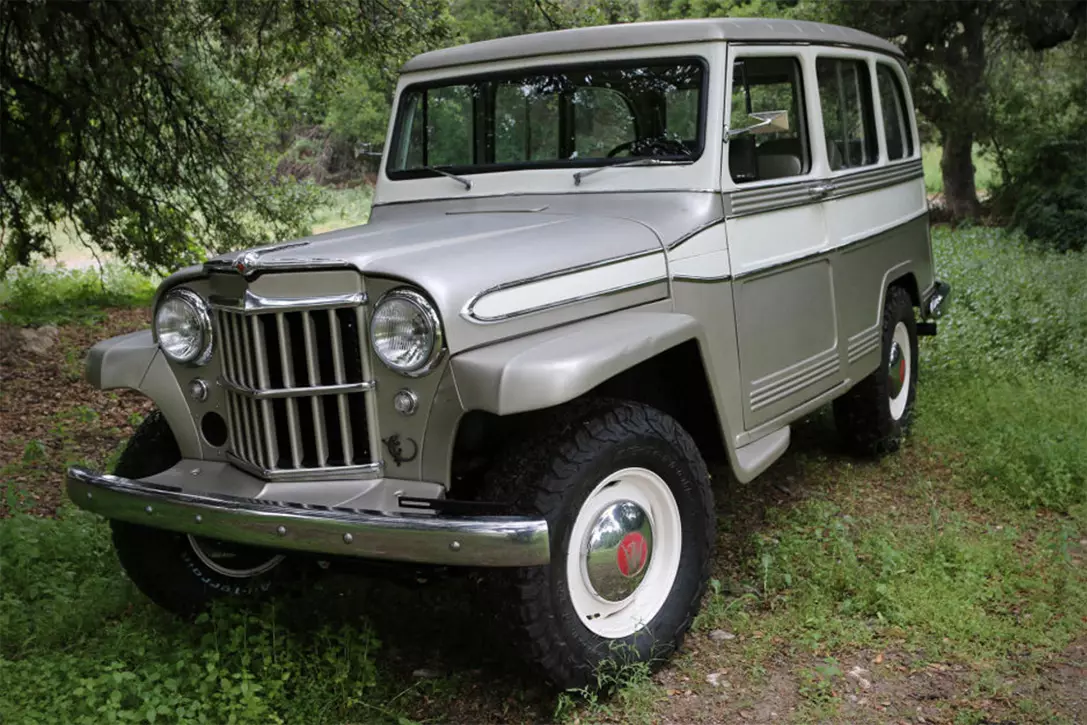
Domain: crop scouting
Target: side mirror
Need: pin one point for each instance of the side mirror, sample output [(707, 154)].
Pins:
[(765, 122)]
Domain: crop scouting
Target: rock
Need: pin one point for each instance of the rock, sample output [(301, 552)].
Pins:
[(714, 678), (426, 674), (858, 674), (36, 341), (720, 635)]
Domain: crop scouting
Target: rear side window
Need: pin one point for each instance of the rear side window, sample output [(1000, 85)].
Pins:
[(896, 120), (845, 95)]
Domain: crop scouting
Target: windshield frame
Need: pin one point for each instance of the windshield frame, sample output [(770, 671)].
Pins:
[(406, 94)]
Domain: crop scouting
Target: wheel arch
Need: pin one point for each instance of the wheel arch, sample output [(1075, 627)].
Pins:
[(653, 358)]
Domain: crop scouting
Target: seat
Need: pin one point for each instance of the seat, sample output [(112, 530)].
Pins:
[(780, 158)]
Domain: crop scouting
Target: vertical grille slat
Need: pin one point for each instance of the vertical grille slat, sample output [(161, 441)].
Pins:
[(288, 381), (271, 449), (341, 400), (320, 434), (298, 432)]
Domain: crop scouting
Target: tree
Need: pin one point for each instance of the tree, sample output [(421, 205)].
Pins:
[(146, 126), (947, 46)]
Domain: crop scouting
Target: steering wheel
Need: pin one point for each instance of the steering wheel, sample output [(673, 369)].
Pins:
[(658, 146)]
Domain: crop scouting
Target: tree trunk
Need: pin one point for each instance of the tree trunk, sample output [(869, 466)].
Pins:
[(957, 168)]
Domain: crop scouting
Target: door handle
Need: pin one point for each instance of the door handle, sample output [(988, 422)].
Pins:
[(822, 190)]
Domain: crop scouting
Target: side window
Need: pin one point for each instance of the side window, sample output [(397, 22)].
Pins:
[(759, 86), (896, 119), (845, 95)]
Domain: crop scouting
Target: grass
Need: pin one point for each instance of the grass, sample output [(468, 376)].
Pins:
[(344, 208), (986, 174), (37, 295), (962, 557)]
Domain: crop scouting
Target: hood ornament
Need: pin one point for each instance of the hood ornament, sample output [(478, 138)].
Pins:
[(248, 263)]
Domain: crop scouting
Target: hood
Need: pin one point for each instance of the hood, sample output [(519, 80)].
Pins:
[(456, 256)]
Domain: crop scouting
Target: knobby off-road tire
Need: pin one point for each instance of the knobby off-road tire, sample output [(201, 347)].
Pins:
[(590, 469), (875, 415), (184, 574)]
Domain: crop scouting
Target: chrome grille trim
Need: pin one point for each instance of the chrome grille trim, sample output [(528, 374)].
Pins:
[(254, 304), (303, 392), (299, 390)]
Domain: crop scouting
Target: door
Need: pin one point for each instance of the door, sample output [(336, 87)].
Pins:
[(783, 286)]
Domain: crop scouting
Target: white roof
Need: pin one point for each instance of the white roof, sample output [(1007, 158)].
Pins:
[(632, 35)]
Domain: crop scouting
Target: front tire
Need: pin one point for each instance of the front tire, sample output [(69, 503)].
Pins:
[(875, 415), (184, 574), (627, 498)]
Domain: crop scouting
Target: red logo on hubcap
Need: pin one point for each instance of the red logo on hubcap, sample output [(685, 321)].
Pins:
[(902, 370), (632, 554)]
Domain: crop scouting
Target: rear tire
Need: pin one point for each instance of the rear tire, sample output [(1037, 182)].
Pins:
[(184, 574), (628, 483), (875, 415)]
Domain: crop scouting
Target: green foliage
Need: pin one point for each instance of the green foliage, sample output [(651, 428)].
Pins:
[(949, 584), (1008, 367), (80, 646), (35, 295), (149, 128), (344, 208), (1038, 109)]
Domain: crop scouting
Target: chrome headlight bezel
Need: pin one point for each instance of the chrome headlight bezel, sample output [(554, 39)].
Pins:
[(434, 328), (202, 312)]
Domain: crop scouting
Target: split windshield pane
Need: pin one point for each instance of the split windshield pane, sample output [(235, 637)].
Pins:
[(571, 116)]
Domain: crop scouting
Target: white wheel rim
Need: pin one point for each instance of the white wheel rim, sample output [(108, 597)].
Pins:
[(208, 559), (900, 367), (618, 619)]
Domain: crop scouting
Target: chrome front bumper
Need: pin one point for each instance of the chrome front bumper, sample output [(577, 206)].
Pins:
[(418, 538)]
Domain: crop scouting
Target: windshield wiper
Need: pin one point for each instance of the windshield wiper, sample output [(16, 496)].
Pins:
[(454, 177), (651, 161)]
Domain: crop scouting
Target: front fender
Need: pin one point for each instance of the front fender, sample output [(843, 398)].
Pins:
[(134, 361), (552, 367)]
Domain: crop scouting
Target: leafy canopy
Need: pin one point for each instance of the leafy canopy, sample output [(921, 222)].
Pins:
[(146, 126)]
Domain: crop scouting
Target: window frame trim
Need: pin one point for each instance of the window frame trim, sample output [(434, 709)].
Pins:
[(901, 91), (812, 117), (868, 61), (404, 94)]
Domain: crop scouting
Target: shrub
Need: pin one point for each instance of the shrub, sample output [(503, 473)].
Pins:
[(1048, 197)]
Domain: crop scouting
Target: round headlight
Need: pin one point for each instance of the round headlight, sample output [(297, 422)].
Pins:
[(183, 326), (406, 333)]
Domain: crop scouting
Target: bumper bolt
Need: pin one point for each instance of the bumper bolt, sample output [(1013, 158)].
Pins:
[(282, 530), (348, 538), (455, 546), (199, 518), (148, 509)]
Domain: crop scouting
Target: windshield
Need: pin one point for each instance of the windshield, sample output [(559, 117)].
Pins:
[(573, 116)]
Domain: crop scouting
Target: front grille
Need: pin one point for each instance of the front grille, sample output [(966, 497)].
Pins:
[(296, 385)]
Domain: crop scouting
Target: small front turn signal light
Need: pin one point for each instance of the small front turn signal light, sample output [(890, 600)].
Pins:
[(198, 390), (406, 402)]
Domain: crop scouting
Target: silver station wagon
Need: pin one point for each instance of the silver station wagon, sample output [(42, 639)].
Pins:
[(597, 260)]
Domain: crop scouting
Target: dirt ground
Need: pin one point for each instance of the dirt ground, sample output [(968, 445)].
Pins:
[(441, 646)]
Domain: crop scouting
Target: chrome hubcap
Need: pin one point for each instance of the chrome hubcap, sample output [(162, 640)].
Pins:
[(896, 370), (617, 551)]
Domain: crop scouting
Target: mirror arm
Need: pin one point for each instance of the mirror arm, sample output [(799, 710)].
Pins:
[(731, 133)]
